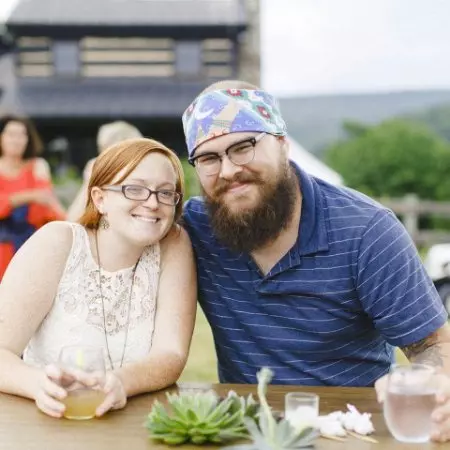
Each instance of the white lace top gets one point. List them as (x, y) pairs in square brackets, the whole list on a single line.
[(77, 313)]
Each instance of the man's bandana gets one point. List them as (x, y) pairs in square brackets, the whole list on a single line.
[(216, 113)]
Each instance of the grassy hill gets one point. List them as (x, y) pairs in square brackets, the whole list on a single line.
[(316, 121)]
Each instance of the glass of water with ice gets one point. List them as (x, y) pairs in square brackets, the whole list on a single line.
[(301, 409), (409, 401)]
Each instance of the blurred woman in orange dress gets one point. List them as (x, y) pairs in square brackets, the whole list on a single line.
[(27, 200)]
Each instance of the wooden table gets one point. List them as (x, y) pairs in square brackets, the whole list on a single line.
[(23, 427)]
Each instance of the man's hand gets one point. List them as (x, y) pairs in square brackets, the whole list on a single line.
[(441, 414), (380, 388)]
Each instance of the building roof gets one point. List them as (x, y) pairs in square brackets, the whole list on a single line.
[(104, 98), (128, 12), (311, 164)]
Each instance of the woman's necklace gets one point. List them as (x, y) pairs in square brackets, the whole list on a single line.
[(103, 305)]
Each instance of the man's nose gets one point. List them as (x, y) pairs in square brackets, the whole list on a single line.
[(228, 169)]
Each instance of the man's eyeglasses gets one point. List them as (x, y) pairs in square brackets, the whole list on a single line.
[(142, 193), (239, 154)]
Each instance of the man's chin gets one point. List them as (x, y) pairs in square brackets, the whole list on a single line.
[(238, 205)]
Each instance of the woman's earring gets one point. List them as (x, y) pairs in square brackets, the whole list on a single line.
[(103, 223)]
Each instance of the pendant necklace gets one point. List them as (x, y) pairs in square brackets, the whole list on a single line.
[(103, 305)]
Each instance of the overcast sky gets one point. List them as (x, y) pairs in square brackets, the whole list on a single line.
[(332, 46), (329, 46)]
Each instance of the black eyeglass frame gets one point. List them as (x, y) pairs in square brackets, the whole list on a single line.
[(252, 140), (123, 188)]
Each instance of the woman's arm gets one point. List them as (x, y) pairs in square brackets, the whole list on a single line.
[(77, 207), (27, 291), (11, 201), (174, 322), (41, 193), (44, 186)]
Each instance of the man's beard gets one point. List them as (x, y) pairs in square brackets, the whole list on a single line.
[(250, 229)]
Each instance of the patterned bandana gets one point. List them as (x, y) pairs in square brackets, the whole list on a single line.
[(216, 113)]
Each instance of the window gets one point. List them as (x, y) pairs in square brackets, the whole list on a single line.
[(218, 58), (66, 58), (34, 57), (127, 57), (189, 58)]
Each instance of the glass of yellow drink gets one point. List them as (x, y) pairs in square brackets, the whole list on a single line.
[(84, 370)]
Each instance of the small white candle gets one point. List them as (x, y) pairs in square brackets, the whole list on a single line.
[(302, 416)]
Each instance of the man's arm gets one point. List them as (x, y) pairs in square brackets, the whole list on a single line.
[(433, 350)]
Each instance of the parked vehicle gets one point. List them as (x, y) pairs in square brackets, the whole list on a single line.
[(437, 263)]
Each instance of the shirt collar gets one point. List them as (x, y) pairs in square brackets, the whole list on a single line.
[(312, 233)]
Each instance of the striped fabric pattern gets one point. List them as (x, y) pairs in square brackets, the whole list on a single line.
[(331, 309)]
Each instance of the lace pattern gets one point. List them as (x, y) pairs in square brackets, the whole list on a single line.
[(77, 313)]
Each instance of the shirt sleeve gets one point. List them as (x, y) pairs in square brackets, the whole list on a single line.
[(393, 286)]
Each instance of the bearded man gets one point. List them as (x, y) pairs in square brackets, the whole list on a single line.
[(315, 281)]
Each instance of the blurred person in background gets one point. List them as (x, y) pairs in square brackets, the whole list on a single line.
[(108, 134), (27, 200), (111, 285)]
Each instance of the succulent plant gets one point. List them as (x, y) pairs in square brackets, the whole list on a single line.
[(273, 435), (200, 418)]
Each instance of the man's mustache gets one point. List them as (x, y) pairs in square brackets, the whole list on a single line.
[(223, 185)]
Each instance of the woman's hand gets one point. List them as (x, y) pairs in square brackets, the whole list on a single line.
[(50, 391), (116, 397), (40, 196)]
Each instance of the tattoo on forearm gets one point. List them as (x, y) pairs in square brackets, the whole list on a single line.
[(425, 351)]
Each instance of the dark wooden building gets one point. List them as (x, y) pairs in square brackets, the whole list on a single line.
[(78, 64)]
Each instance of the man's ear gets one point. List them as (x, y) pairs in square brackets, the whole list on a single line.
[(284, 143), (98, 198)]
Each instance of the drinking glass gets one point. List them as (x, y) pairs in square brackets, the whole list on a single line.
[(301, 408), (409, 401), (84, 370)]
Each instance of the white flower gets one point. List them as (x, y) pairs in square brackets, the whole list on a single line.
[(330, 426), (357, 422), (337, 422)]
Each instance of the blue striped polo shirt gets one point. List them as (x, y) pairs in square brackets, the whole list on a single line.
[(329, 312)]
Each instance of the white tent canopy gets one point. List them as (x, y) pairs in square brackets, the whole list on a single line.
[(309, 163)]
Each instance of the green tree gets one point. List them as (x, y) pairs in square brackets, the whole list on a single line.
[(392, 159), (437, 119), (191, 181)]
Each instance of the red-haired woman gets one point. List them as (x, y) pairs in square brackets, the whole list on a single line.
[(122, 278)]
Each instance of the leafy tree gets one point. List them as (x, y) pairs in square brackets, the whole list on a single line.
[(437, 119), (394, 158), (191, 182)]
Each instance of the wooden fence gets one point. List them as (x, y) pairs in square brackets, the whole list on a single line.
[(410, 208)]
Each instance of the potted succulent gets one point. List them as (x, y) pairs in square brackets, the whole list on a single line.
[(200, 418)]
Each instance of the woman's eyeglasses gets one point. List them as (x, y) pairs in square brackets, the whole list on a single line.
[(142, 193)]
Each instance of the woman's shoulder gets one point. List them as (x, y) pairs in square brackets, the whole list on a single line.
[(50, 244), (176, 244), (60, 230), (41, 168), (176, 238), (57, 234)]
